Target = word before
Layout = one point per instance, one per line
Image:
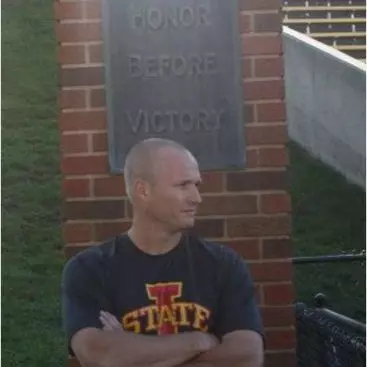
(166, 65)
(170, 18)
(159, 121)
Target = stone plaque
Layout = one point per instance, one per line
(173, 71)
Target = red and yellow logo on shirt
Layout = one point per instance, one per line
(167, 314)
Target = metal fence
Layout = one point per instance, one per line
(323, 341)
(324, 337)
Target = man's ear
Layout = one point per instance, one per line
(141, 189)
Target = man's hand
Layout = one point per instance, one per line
(204, 341)
(109, 322)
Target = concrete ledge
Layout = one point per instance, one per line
(326, 103)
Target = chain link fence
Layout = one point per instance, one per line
(327, 339)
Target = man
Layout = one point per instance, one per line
(158, 295)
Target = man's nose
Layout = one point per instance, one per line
(196, 197)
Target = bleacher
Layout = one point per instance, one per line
(338, 23)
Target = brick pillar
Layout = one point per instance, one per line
(251, 207)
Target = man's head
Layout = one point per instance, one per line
(161, 179)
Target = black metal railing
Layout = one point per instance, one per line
(326, 338)
(329, 258)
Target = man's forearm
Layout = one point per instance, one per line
(234, 351)
(157, 351)
(222, 356)
(127, 349)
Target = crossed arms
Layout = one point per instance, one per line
(237, 322)
(114, 347)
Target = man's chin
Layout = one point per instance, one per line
(188, 223)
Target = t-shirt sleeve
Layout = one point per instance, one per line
(237, 309)
(83, 295)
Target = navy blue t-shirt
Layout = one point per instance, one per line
(198, 285)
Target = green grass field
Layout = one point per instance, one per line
(329, 217)
(329, 214)
(31, 237)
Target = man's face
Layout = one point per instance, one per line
(173, 198)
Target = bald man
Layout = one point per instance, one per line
(158, 295)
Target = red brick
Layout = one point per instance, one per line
(85, 165)
(277, 248)
(78, 232)
(263, 89)
(109, 186)
(258, 226)
(209, 228)
(267, 22)
(249, 112)
(99, 142)
(70, 10)
(74, 143)
(109, 230)
(93, 9)
(266, 134)
(275, 203)
(273, 157)
(280, 339)
(107, 209)
(278, 294)
(252, 160)
(258, 294)
(228, 205)
(261, 45)
(71, 250)
(95, 53)
(247, 67)
(283, 358)
(272, 271)
(85, 76)
(269, 67)
(129, 209)
(271, 112)
(78, 32)
(257, 181)
(249, 249)
(260, 4)
(245, 23)
(212, 182)
(71, 54)
(76, 187)
(278, 316)
(74, 121)
(97, 98)
(72, 98)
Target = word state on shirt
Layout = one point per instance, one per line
(166, 314)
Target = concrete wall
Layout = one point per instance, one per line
(326, 103)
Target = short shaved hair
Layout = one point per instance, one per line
(140, 161)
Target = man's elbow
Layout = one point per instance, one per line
(254, 360)
(248, 361)
(93, 348)
(249, 348)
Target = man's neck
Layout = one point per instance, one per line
(152, 239)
